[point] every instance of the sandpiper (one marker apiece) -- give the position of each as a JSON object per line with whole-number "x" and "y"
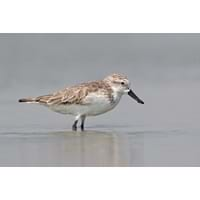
{"x": 87, "y": 99}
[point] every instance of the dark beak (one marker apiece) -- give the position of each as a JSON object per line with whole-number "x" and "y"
{"x": 133, "y": 95}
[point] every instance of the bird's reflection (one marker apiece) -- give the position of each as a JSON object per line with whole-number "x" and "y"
{"x": 89, "y": 148}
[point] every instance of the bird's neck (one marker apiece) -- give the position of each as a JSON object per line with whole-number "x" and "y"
{"x": 116, "y": 95}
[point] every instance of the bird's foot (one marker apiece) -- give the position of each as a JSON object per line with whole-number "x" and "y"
{"x": 82, "y": 127}
{"x": 74, "y": 128}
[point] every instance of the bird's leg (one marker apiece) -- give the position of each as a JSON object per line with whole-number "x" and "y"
{"x": 82, "y": 122}
{"x": 74, "y": 127}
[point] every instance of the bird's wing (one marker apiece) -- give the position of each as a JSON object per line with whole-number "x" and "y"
{"x": 64, "y": 96}
{"x": 73, "y": 95}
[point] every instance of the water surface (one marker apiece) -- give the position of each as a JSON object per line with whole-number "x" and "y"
{"x": 100, "y": 148}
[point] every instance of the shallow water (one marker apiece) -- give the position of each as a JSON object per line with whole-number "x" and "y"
{"x": 30, "y": 135}
{"x": 93, "y": 148}
{"x": 164, "y": 71}
{"x": 162, "y": 132}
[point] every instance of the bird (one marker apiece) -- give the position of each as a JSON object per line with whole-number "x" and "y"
{"x": 87, "y": 99}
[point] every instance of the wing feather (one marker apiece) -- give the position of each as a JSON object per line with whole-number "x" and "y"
{"x": 75, "y": 94}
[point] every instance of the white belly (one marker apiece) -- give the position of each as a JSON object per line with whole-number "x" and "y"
{"x": 94, "y": 106}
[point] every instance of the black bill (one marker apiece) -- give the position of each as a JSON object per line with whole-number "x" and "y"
{"x": 133, "y": 95}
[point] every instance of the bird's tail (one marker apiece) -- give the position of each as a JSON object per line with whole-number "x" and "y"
{"x": 28, "y": 100}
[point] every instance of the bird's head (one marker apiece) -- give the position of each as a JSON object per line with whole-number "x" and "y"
{"x": 120, "y": 84}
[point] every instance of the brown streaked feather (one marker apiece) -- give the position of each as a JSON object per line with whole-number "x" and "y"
{"x": 42, "y": 99}
{"x": 76, "y": 94}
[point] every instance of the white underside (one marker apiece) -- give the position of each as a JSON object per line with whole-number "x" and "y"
{"x": 96, "y": 105}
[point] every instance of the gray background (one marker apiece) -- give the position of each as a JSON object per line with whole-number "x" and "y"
{"x": 58, "y": 58}
{"x": 164, "y": 71}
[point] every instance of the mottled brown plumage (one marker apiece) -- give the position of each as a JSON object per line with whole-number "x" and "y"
{"x": 76, "y": 94}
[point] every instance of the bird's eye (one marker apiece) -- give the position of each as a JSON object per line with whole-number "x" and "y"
{"x": 122, "y": 83}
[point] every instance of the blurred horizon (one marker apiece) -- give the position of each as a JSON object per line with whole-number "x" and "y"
{"x": 45, "y": 60}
